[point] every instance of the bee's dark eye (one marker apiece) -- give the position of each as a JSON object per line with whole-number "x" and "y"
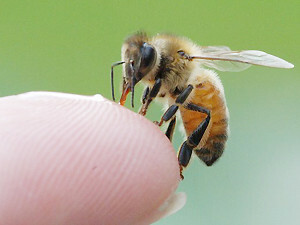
{"x": 148, "y": 58}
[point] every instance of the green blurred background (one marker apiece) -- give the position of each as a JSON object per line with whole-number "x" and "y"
{"x": 68, "y": 46}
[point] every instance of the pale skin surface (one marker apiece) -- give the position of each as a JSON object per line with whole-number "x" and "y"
{"x": 69, "y": 159}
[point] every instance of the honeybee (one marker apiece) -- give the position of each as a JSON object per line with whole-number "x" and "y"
{"x": 174, "y": 69}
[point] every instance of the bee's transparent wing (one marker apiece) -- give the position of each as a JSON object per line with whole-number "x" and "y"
{"x": 224, "y": 59}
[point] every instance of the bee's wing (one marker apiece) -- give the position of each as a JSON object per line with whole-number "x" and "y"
{"x": 224, "y": 59}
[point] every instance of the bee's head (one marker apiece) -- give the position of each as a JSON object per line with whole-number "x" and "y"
{"x": 139, "y": 58}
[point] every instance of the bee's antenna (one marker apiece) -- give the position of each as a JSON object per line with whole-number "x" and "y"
{"x": 132, "y": 91}
{"x": 133, "y": 81}
{"x": 112, "y": 77}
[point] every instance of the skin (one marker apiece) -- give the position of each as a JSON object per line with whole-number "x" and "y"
{"x": 70, "y": 159}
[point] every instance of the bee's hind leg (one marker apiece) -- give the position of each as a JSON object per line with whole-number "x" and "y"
{"x": 194, "y": 139}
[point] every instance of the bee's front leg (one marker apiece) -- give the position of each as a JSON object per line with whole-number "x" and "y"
{"x": 143, "y": 109}
{"x": 149, "y": 95}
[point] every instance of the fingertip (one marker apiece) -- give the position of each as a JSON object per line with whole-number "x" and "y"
{"x": 119, "y": 165}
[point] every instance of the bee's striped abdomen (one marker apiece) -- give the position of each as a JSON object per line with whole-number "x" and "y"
{"x": 214, "y": 139}
{"x": 213, "y": 147}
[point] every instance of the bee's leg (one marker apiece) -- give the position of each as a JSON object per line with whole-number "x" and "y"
{"x": 186, "y": 149}
{"x": 194, "y": 139}
{"x": 149, "y": 95}
{"x": 143, "y": 109}
{"x": 145, "y": 95}
{"x": 171, "y": 111}
{"x": 170, "y": 130}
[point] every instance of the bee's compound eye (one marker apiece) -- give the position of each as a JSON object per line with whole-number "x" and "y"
{"x": 148, "y": 58}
